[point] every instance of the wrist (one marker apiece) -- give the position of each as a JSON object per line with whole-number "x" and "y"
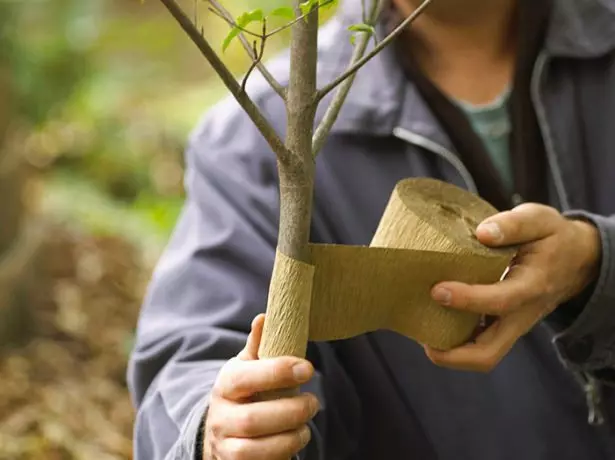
{"x": 590, "y": 252}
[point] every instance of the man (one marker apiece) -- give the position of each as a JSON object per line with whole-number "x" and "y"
{"x": 511, "y": 99}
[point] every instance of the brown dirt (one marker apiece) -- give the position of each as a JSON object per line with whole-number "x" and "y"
{"x": 63, "y": 394}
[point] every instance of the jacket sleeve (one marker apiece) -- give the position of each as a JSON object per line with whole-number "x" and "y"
{"x": 209, "y": 284}
{"x": 587, "y": 343}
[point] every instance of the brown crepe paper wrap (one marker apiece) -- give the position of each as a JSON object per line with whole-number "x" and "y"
{"x": 426, "y": 236}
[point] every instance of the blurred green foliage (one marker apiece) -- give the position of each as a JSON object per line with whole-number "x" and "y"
{"x": 107, "y": 91}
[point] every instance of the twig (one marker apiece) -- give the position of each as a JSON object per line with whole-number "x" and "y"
{"x": 259, "y": 55}
{"x": 227, "y": 77}
{"x": 231, "y": 22}
{"x": 298, "y": 18}
{"x": 277, "y": 87}
{"x": 354, "y": 66}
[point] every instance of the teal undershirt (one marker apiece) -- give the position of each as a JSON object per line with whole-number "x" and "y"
{"x": 491, "y": 122}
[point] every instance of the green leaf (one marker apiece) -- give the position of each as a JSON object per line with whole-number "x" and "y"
{"x": 229, "y": 38}
{"x": 366, "y": 28}
{"x": 361, "y": 28}
{"x": 242, "y": 21}
{"x": 247, "y": 18}
{"x": 324, "y": 4}
{"x": 307, "y": 6}
{"x": 283, "y": 12}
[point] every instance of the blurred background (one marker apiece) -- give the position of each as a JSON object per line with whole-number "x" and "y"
{"x": 97, "y": 98}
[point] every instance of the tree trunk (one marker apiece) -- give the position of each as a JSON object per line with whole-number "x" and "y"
{"x": 288, "y": 311}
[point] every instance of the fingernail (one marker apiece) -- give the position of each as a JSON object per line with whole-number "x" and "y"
{"x": 314, "y": 406}
{"x": 493, "y": 229}
{"x": 301, "y": 371}
{"x": 305, "y": 434}
{"x": 443, "y": 296}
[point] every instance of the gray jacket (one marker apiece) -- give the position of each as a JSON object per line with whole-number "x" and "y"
{"x": 382, "y": 398}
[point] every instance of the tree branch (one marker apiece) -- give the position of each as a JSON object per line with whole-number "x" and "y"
{"x": 325, "y": 125}
{"x": 227, "y": 77}
{"x": 298, "y": 18}
{"x": 259, "y": 55}
{"x": 224, "y": 14}
{"x": 354, "y": 66}
{"x": 229, "y": 20}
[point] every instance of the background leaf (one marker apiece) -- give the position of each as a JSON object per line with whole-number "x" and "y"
{"x": 244, "y": 20}
{"x": 366, "y": 28}
{"x": 283, "y": 12}
{"x": 229, "y": 38}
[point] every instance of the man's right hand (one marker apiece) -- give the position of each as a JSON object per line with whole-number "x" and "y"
{"x": 238, "y": 427}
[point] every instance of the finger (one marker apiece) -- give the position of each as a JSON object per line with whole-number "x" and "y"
{"x": 486, "y": 352}
{"x": 277, "y": 447}
{"x": 525, "y": 223}
{"x": 259, "y": 419}
{"x": 250, "y": 351}
{"x": 242, "y": 379}
{"x": 524, "y": 284}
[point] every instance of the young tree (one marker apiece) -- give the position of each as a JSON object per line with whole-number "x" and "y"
{"x": 287, "y": 323}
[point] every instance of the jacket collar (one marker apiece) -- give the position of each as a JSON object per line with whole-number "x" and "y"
{"x": 581, "y": 28}
{"x": 381, "y": 98}
{"x": 578, "y": 28}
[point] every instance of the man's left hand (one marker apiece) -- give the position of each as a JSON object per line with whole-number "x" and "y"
{"x": 557, "y": 258}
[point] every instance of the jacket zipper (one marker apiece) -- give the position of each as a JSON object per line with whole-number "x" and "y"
{"x": 439, "y": 150}
{"x": 588, "y": 384}
{"x": 541, "y": 113}
{"x": 444, "y": 153}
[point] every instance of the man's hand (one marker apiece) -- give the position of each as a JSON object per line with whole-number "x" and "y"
{"x": 556, "y": 260}
{"x": 238, "y": 428}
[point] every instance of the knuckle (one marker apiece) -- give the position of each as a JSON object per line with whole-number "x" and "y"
{"x": 304, "y": 410}
{"x": 278, "y": 369}
{"x": 312, "y": 406}
{"x": 526, "y": 207}
{"x": 463, "y": 300}
{"x": 281, "y": 369}
{"x": 489, "y": 362}
{"x": 511, "y": 225}
{"x": 231, "y": 384}
{"x": 245, "y": 422}
{"x": 501, "y": 305}
{"x": 215, "y": 427}
{"x": 302, "y": 437}
{"x": 236, "y": 449}
{"x": 225, "y": 380}
{"x": 235, "y": 382}
{"x": 553, "y": 213}
{"x": 216, "y": 390}
{"x": 544, "y": 285}
{"x": 549, "y": 289}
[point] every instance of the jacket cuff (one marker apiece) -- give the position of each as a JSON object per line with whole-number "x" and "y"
{"x": 189, "y": 445}
{"x": 199, "y": 451}
{"x": 588, "y": 344}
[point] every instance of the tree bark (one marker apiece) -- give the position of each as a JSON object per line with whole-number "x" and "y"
{"x": 297, "y": 175}
{"x": 287, "y": 322}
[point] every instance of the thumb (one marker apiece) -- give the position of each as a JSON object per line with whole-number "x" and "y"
{"x": 250, "y": 351}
